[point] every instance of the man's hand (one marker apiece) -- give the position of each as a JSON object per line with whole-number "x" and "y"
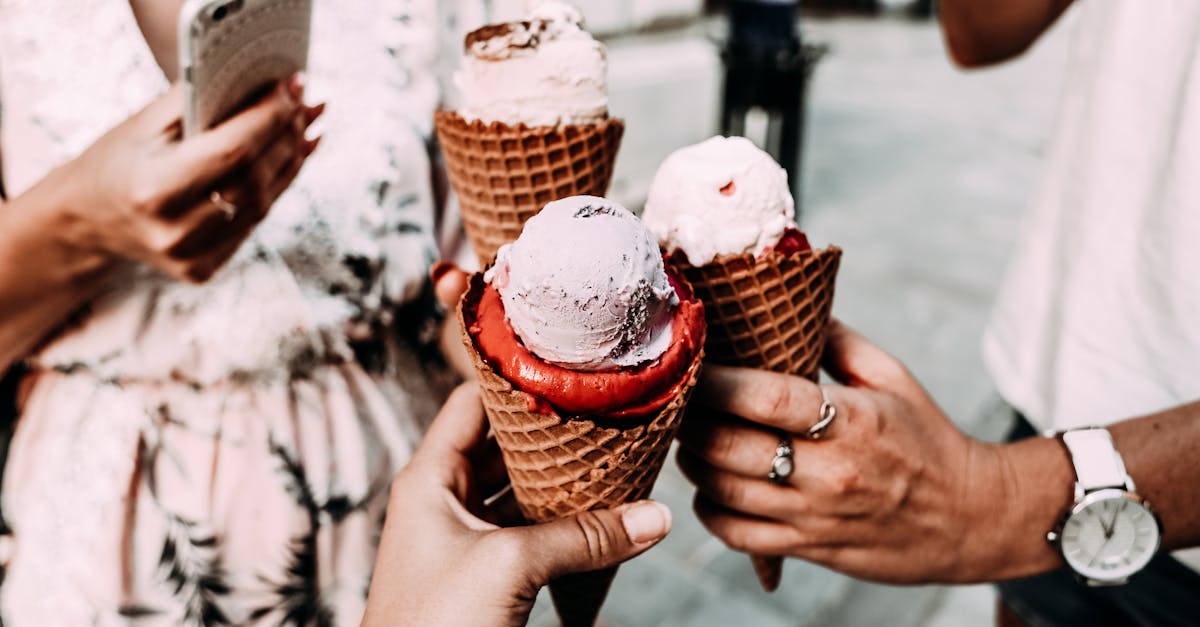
{"x": 892, "y": 492}
{"x": 441, "y": 563}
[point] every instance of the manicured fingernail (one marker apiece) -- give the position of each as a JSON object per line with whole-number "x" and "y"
{"x": 646, "y": 521}
{"x": 439, "y": 270}
{"x": 312, "y": 113}
{"x": 310, "y": 146}
{"x": 295, "y": 87}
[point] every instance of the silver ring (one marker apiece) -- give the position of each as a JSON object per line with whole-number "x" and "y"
{"x": 827, "y": 413}
{"x": 229, "y": 209}
{"x": 782, "y": 464}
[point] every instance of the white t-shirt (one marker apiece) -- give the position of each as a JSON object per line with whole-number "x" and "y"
{"x": 1099, "y": 317}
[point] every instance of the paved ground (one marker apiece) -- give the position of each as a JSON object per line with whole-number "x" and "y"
{"x": 920, "y": 173}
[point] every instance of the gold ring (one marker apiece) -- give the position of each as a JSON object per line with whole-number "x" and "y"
{"x": 229, "y": 209}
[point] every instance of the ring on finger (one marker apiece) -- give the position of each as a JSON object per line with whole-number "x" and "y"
{"x": 826, "y": 415}
{"x": 782, "y": 464}
{"x": 229, "y": 209}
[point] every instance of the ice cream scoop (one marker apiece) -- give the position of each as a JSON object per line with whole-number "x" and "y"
{"x": 585, "y": 287}
{"x": 544, "y": 71}
{"x": 723, "y": 196}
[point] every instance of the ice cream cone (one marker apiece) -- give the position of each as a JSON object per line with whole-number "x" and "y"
{"x": 561, "y": 466}
{"x": 770, "y": 314}
{"x": 504, "y": 174}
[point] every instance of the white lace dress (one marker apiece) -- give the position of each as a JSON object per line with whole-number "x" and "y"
{"x": 221, "y": 454}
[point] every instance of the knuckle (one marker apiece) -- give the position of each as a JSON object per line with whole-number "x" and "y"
{"x": 234, "y": 156}
{"x": 843, "y": 480}
{"x": 737, "y": 538}
{"x": 774, "y": 400}
{"x": 601, "y": 544}
{"x": 729, "y": 492}
{"x": 144, "y": 197}
{"x": 197, "y": 274}
{"x": 722, "y": 444}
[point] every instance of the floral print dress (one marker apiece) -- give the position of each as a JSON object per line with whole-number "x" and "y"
{"x": 221, "y": 454}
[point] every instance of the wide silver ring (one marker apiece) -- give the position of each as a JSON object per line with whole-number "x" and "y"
{"x": 782, "y": 464}
{"x": 229, "y": 209}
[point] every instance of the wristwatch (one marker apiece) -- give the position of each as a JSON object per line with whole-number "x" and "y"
{"x": 1110, "y": 533}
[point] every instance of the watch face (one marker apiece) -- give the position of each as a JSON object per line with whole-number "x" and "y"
{"x": 1109, "y": 536}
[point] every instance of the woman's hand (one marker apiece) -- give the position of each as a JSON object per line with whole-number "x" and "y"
{"x": 892, "y": 492}
{"x": 184, "y": 206}
{"x": 441, "y": 563}
{"x": 449, "y": 284}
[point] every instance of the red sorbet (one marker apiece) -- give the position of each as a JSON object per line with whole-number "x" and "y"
{"x": 622, "y": 393}
{"x": 792, "y": 242}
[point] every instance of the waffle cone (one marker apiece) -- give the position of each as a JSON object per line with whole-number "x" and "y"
{"x": 504, "y": 175}
{"x": 770, "y": 314}
{"x": 564, "y": 466}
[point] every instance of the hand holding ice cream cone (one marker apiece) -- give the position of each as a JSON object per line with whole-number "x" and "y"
{"x": 444, "y": 561}
{"x": 724, "y": 212}
{"x": 586, "y": 351}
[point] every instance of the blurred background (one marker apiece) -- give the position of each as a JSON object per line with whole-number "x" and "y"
{"x": 920, "y": 171}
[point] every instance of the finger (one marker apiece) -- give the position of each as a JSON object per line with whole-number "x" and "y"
{"x": 503, "y": 510}
{"x": 729, "y": 444}
{"x": 757, "y": 497}
{"x": 445, "y": 453}
{"x": 851, "y": 359}
{"x": 768, "y": 398}
{"x": 460, "y": 427}
{"x": 288, "y": 174}
{"x": 204, "y": 267}
{"x": 592, "y": 540}
{"x": 747, "y": 534}
{"x": 449, "y": 283}
{"x": 491, "y": 474}
{"x": 164, "y": 112}
{"x": 270, "y": 168}
{"x": 213, "y": 154}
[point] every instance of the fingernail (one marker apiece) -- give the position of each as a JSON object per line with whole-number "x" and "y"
{"x": 646, "y": 521}
{"x": 310, "y": 146}
{"x": 439, "y": 270}
{"x": 312, "y": 113}
{"x": 295, "y": 87}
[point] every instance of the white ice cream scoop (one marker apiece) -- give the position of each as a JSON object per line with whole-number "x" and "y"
{"x": 584, "y": 287}
{"x": 544, "y": 71}
{"x": 723, "y": 196}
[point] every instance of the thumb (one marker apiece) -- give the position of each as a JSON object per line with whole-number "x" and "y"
{"x": 161, "y": 113}
{"x": 851, "y": 359}
{"x": 449, "y": 283}
{"x": 593, "y": 540}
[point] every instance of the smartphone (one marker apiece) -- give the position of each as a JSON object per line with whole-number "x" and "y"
{"x": 230, "y": 51}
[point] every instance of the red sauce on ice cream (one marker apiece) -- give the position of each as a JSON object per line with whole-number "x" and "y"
{"x": 623, "y": 393}
{"x": 792, "y": 242}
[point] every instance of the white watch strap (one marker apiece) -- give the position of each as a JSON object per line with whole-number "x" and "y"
{"x": 1097, "y": 463}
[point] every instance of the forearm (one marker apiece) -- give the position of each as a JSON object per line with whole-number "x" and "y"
{"x": 1037, "y": 486}
{"x": 982, "y": 32}
{"x": 43, "y": 278}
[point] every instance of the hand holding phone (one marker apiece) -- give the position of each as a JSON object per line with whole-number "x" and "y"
{"x": 231, "y": 50}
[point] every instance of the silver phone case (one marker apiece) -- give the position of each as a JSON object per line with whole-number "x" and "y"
{"x": 231, "y": 49}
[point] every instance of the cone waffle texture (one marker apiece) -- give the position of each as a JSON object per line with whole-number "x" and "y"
{"x": 770, "y": 314}
{"x": 767, "y": 313}
{"x": 504, "y": 175}
{"x": 561, "y": 466}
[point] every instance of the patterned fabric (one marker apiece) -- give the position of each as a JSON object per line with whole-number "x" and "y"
{"x": 220, "y": 454}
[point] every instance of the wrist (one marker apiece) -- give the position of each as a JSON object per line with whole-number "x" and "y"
{"x": 1022, "y": 491}
{"x": 75, "y": 248}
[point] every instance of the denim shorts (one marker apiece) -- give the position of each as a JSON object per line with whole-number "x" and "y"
{"x": 1164, "y": 594}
